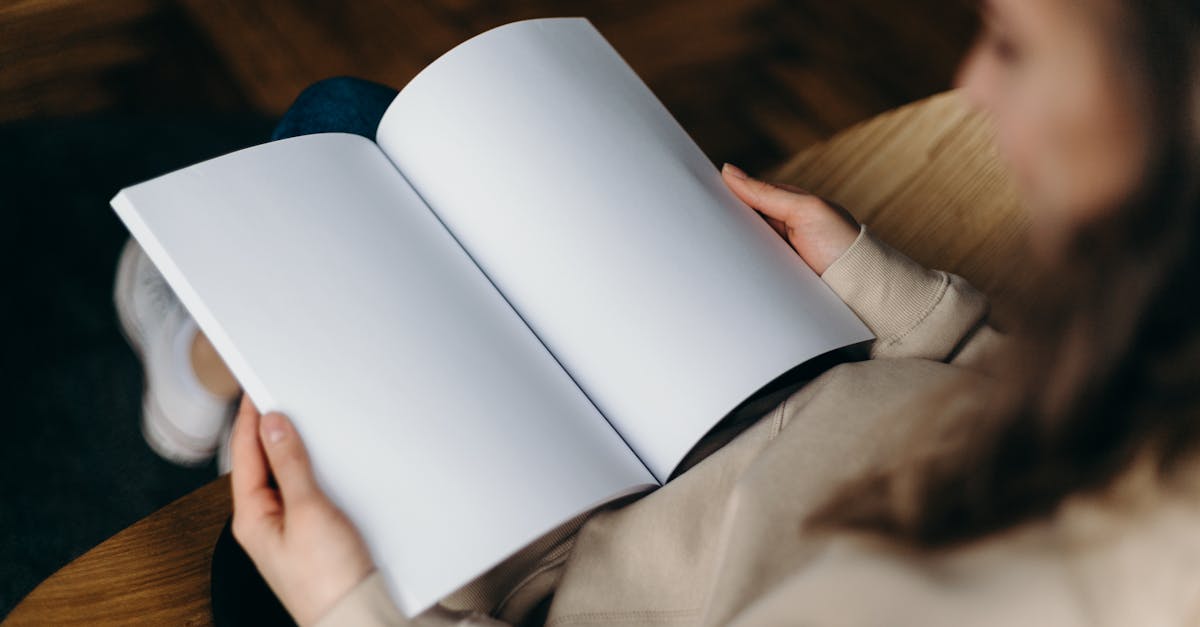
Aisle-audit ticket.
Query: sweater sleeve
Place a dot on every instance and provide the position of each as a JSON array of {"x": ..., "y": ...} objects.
[
  {"x": 368, "y": 604},
  {"x": 913, "y": 311}
]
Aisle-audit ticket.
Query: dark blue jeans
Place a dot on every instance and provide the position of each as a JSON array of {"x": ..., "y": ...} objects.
[{"x": 336, "y": 105}]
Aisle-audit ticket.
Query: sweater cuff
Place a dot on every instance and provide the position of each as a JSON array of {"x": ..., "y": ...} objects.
[
  {"x": 367, "y": 603},
  {"x": 890, "y": 292},
  {"x": 912, "y": 310}
]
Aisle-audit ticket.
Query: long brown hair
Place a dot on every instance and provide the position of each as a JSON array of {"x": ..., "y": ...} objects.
[{"x": 1106, "y": 367}]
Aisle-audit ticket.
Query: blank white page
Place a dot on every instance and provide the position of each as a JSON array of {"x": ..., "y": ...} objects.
[
  {"x": 434, "y": 417},
  {"x": 667, "y": 299}
]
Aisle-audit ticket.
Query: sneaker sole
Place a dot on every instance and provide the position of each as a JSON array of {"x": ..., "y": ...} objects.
[{"x": 170, "y": 444}]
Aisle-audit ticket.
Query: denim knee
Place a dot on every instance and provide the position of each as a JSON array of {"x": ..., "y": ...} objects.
[{"x": 341, "y": 104}]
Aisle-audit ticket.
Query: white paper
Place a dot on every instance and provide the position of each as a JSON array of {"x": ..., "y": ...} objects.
[
  {"x": 434, "y": 417},
  {"x": 667, "y": 299}
]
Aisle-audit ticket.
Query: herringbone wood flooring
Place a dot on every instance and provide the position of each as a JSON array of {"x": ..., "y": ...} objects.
[{"x": 752, "y": 80}]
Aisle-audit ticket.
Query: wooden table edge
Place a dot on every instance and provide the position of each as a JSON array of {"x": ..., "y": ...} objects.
[{"x": 145, "y": 574}]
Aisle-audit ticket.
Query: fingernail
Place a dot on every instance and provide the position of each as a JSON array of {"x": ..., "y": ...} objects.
[
  {"x": 734, "y": 170},
  {"x": 274, "y": 428}
]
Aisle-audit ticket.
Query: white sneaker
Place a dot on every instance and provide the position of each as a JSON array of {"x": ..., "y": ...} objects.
[{"x": 181, "y": 420}]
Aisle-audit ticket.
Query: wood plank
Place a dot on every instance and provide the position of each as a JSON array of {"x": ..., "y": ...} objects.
[
  {"x": 70, "y": 57},
  {"x": 276, "y": 49},
  {"x": 752, "y": 81},
  {"x": 155, "y": 572}
]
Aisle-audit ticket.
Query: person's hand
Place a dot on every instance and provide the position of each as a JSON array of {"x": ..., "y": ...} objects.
[
  {"x": 819, "y": 231},
  {"x": 306, "y": 549}
]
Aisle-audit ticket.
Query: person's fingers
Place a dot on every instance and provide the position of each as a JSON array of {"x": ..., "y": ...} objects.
[
  {"x": 809, "y": 197},
  {"x": 254, "y": 501},
  {"x": 773, "y": 201},
  {"x": 288, "y": 459}
]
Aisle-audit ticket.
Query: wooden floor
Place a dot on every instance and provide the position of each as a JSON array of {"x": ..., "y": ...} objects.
[{"x": 752, "y": 80}]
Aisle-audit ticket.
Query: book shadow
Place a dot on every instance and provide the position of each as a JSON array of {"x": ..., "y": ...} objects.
[{"x": 765, "y": 399}]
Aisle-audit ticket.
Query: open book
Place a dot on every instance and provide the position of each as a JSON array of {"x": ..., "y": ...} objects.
[{"x": 532, "y": 295}]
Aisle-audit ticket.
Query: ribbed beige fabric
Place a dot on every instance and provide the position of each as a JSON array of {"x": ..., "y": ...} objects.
[
  {"x": 722, "y": 543},
  {"x": 895, "y": 296}
]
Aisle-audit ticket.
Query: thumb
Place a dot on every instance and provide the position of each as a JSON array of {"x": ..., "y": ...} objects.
[
  {"x": 288, "y": 459},
  {"x": 773, "y": 201}
]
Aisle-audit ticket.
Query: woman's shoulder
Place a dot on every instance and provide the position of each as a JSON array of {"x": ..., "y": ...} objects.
[
  {"x": 1135, "y": 547},
  {"x": 1117, "y": 559},
  {"x": 860, "y": 580}
]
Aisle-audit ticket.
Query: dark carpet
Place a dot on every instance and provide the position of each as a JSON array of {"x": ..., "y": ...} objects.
[{"x": 74, "y": 469}]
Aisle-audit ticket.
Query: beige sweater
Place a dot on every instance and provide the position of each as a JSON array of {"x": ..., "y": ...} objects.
[{"x": 721, "y": 543}]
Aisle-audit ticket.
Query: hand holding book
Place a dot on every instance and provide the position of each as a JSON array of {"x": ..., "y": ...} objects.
[
  {"x": 302, "y": 544},
  {"x": 818, "y": 231}
]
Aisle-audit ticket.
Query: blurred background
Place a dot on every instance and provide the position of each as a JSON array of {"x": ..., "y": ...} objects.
[{"x": 97, "y": 95}]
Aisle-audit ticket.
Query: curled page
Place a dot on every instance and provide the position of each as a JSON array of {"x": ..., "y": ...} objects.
[{"x": 664, "y": 296}]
